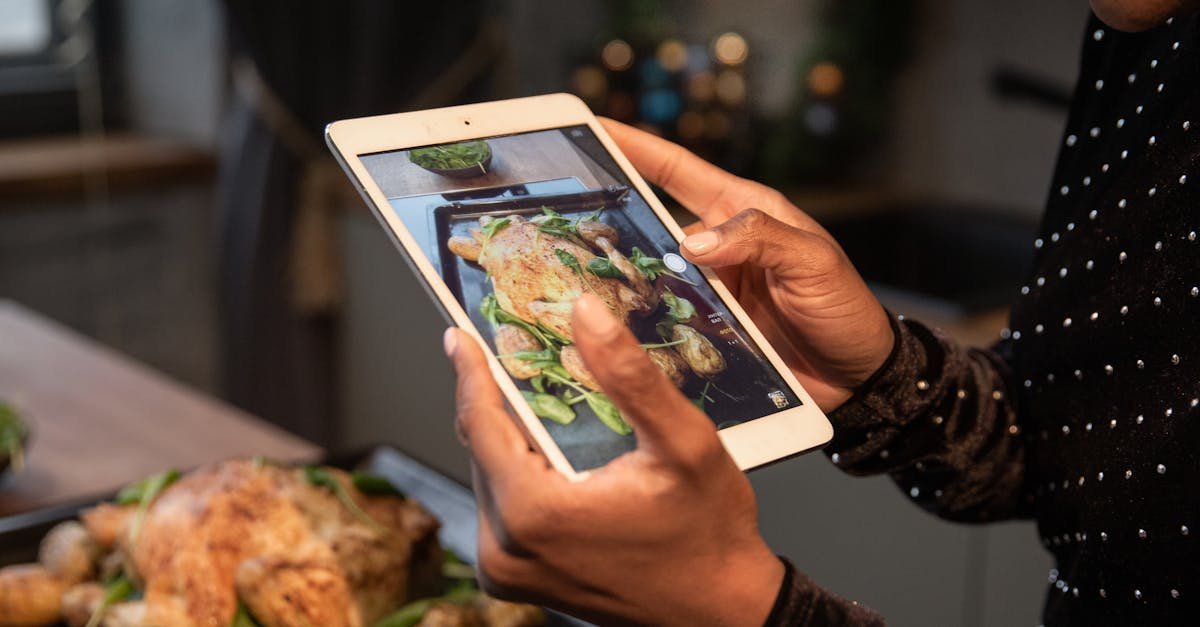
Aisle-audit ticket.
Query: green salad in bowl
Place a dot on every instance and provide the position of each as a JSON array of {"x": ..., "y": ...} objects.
[{"x": 458, "y": 160}]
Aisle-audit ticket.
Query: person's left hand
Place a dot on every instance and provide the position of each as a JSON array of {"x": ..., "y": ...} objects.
[{"x": 666, "y": 534}]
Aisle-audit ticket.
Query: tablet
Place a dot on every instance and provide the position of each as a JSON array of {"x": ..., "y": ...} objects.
[{"x": 510, "y": 210}]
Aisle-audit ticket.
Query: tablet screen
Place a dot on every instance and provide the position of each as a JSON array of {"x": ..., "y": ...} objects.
[{"x": 519, "y": 226}]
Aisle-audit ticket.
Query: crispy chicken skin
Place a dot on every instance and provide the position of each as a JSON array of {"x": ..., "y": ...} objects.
[
  {"x": 29, "y": 596},
  {"x": 636, "y": 279},
  {"x": 699, "y": 353},
  {"x": 510, "y": 339},
  {"x": 532, "y": 283},
  {"x": 246, "y": 522}
]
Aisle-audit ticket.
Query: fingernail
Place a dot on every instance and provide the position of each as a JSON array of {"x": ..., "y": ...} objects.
[
  {"x": 450, "y": 341},
  {"x": 596, "y": 318},
  {"x": 701, "y": 242}
]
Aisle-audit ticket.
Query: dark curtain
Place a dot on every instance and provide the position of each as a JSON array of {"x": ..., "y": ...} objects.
[{"x": 318, "y": 61}]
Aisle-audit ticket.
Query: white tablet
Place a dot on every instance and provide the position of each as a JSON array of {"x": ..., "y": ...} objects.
[{"x": 509, "y": 211}]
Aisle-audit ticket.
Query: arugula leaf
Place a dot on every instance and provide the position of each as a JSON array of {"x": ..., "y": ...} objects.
[
  {"x": 115, "y": 591},
  {"x": 539, "y": 383},
  {"x": 494, "y": 226},
  {"x": 322, "y": 478},
  {"x": 678, "y": 308},
  {"x": 374, "y": 485},
  {"x": 608, "y": 413},
  {"x": 549, "y": 407},
  {"x": 604, "y": 268},
  {"x": 568, "y": 260},
  {"x": 490, "y": 308},
  {"x": 144, "y": 491}
]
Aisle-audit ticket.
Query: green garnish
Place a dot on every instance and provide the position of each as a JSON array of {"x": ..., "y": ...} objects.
[
  {"x": 568, "y": 260},
  {"x": 244, "y": 618},
  {"x": 653, "y": 267},
  {"x": 554, "y": 223},
  {"x": 549, "y": 407},
  {"x": 411, "y": 614},
  {"x": 374, "y": 485},
  {"x": 678, "y": 308},
  {"x": 143, "y": 493},
  {"x": 700, "y": 400},
  {"x": 322, "y": 478},
  {"x": 608, "y": 413},
  {"x": 115, "y": 591},
  {"x": 12, "y": 436},
  {"x": 491, "y": 228},
  {"x": 457, "y": 156},
  {"x": 604, "y": 268},
  {"x": 490, "y": 308}
]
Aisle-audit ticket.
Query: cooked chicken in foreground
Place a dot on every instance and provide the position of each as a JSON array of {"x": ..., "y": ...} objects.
[{"x": 289, "y": 546}]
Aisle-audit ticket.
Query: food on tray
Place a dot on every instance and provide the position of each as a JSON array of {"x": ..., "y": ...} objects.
[
  {"x": 244, "y": 543},
  {"x": 13, "y": 434},
  {"x": 462, "y": 159},
  {"x": 538, "y": 266}
]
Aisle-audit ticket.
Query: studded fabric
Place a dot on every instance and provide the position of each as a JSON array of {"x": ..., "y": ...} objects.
[{"x": 1086, "y": 414}]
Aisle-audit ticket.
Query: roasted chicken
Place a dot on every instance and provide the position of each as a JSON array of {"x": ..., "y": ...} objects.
[
  {"x": 291, "y": 550},
  {"x": 532, "y": 279}
]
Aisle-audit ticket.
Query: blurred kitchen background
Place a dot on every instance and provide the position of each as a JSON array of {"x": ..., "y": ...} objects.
[{"x": 164, "y": 189}]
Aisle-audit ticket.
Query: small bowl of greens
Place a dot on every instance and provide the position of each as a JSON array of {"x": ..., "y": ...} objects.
[
  {"x": 14, "y": 434},
  {"x": 462, "y": 160}
]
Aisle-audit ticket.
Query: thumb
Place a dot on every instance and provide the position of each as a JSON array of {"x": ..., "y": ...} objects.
[
  {"x": 667, "y": 424},
  {"x": 756, "y": 238}
]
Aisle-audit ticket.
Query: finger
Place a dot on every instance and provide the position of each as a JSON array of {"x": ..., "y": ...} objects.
[
  {"x": 666, "y": 423},
  {"x": 483, "y": 422},
  {"x": 709, "y": 192},
  {"x": 756, "y": 238}
]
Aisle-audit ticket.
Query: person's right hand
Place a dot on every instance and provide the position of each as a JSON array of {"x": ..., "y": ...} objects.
[{"x": 786, "y": 271}]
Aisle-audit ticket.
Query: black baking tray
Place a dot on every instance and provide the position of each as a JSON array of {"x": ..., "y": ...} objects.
[
  {"x": 449, "y": 501},
  {"x": 743, "y": 390}
]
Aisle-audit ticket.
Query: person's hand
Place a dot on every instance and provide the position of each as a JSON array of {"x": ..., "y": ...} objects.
[
  {"x": 666, "y": 534},
  {"x": 786, "y": 271}
]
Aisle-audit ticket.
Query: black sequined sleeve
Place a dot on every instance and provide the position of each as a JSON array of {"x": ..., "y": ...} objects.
[{"x": 942, "y": 420}]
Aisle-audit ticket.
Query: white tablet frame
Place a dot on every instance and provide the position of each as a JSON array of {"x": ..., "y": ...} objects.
[{"x": 752, "y": 444}]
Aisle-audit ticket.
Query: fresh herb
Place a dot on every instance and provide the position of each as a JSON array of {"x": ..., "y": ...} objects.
[
  {"x": 678, "y": 308},
  {"x": 490, "y": 308},
  {"x": 374, "y": 485},
  {"x": 554, "y": 223},
  {"x": 453, "y": 567},
  {"x": 539, "y": 383},
  {"x": 322, "y": 478},
  {"x": 604, "y": 409},
  {"x": 700, "y": 400},
  {"x": 491, "y": 228},
  {"x": 663, "y": 344},
  {"x": 549, "y": 407},
  {"x": 608, "y": 413},
  {"x": 568, "y": 260},
  {"x": 604, "y": 268},
  {"x": 143, "y": 493},
  {"x": 457, "y": 156},
  {"x": 244, "y": 618},
  {"x": 117, "y": 590},
  {"x": 411, "y": 614},
  {"x": 572, "y": 262},
  {"x": 12, "y": 436},
  {"x": 653, "y": 267}
]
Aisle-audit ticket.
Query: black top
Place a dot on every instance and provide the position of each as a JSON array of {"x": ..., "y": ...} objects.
[{"x": 1086, "y": 416}]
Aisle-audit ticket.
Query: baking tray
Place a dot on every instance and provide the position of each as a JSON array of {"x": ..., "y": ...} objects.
[
  {"x": 744, "y": 389},
  {"x": 449, "y": 501}
]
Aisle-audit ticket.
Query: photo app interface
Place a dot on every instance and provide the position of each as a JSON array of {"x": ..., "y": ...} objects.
[{"x": 519, "y": 226}]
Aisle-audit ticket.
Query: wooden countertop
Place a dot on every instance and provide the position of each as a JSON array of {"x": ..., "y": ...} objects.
[{"x": 101, "y": 420}]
